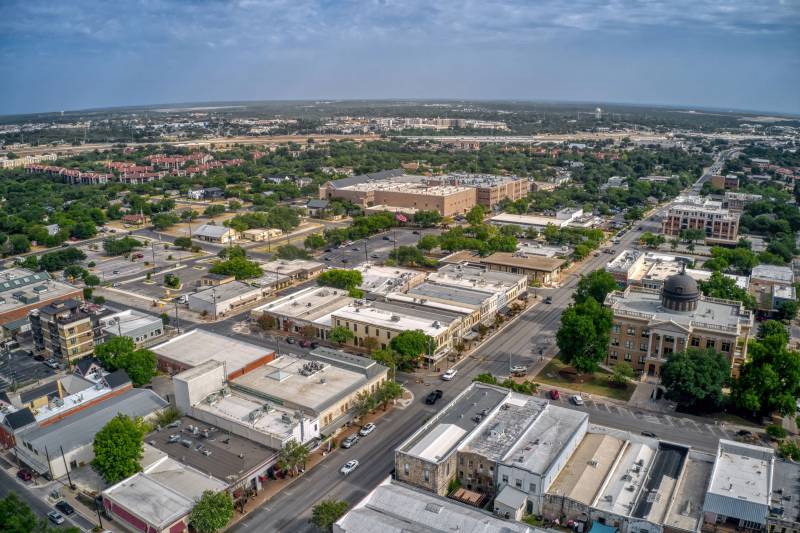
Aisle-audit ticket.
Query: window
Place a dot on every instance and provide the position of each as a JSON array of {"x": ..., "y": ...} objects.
[
  {"x": 643, "y": 346},
  {"x": 631, "y": 331},
  {"x": 615, "y": 328},
  {"x": 614, "y": 354},
  {"x": 366, "y": 330},
  {"x": 695, "y": 342},
  {"x": 426, "y": 475},
  {"x": 726, "y": 346},
  {"x": 642, "y": 359},
  {"x": 532, "y": 487},
  {"x": 614, "y": 341},
  {"x": 355, "y": 328},
  {"x": 469, "y": 464},
  {"x": 711, "y": 343},
  {"x": 645, "y": 333},
  {"x": 627, "y": 356},
  {"x": 629, "y": 345},
  {"x": 447, "y": 469},
  {"x": 518, "y": 483},
  {"x": 505, "y": 478},
  {"x": 406, "y": 469},
  {"x": 461, "y": 474},
  {"x": 461, "y": 461}
]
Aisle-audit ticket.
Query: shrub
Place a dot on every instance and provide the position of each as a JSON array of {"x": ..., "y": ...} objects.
[{"x": 776, "y": 432}]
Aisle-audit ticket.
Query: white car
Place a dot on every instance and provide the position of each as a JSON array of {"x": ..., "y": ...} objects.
[
  {"x": 349, "y": 466},
  {"x": 55, "y": 517},
  {"x": 450, "y": 374},
  {"x": 576, "y": 399},
  {"x": 367, "y": 429}
]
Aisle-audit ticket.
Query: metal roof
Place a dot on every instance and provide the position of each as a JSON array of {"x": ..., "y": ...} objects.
[{"x": 210, "y": 230}]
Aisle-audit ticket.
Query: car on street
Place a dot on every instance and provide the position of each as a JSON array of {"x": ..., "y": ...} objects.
[
  {"x": 344, "y": 260},
  {"x": 314, "y": 345},
  {"x": 328, "y": 250},
  {"x": 367, "y": 429},
  {"x": 433, "y": 397},
  {"x": 576, "y": 399},
  {"x": 415, "y": 232},
  {"x": 649, "y": 434},
  {"x": 52, "y": 363},
  {"x": 554, "y": 394},
  {"x": 355, "y": 249},
  {"x": 548, "y": 300},
  {"x": 24, "y": 474},
  {"x": 65, "y": 508},
  {"x": 744, "y": 433},
  {"x": 116, "y": 284},
  {"x": 39, "y": 358},
  {"x": 290, "y": 340},
  {"x": 55, "y": 517},
  {"x": 386, "y": 237},
  {"x": 349, "y": 466},
  {"x": 519, "y": 370},
  {"x": 450, "y": 374},
  {"x": 374, "y": 256},
  {"x": 305, "y": 344},
  {"x": 326, "y": 258},
  {"x": 349, "y": 441}
]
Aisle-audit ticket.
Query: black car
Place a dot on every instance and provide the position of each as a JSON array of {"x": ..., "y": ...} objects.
[
  {"x": 314, "y": 345},
  {"x": 649, "y": 434},
  {"x": 415, "y": 232},
  {"x": 433, "y": 397},
  {"x": 65, "y": 508},
  {"x": 548, "y": 300},
  {"x": 386, "y": 237},
  {"x": 328, "y": 250},
  {"x": 291, "y": 340}
]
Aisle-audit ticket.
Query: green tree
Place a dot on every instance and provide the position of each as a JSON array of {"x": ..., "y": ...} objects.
[
  {"x": 595, "y": 285},
  {"x": 427, "y": 219},
  {"x": 118, "y": 448},
  {"x": 15, "y": 515},
  {"x": 189, "y": 215},
  {"x": 214, "y": 210},
  {"x": 340, "y": 335},
  {"x": 212, "y": 512},
  {"x": 771, "y": 328},
  {"x": 769, "y": 381},
  {"x": 293, "y": 456},
  {"x": 410, "y": 345},
  {"x": 340, "y": 278},
  {"x": 164, "y": 220},
  {"x": 475, "y": 215},
  {"x": 327, "y": 512},
  {"x": 314, "y": 241},
  {"x": 388, "y": 392},
  {"x": 289, "y": 251},
  {"x": 787, "y": 309},
  {"x": 621, "y": 374},
  {"x": 234, "y": 205},
  {"x": 364, "y": 404},
  {"x": 121, "y": 246},
  {"x": 239, "y": 267},
  {"x": 695, "y": 378},
  {"x": 91, "y": 280},
  {"x": 184, "y": 243},
  {"x": 428, "y": 242},
  {"x": 120, "y": 352},
  {"x": 172, "y": 281},
  {"x": 75, "y": 272},
  {"x": 689, "y": 236},
  {"x": 721, "y": 286},
  {"x": 583, "y": 335}
]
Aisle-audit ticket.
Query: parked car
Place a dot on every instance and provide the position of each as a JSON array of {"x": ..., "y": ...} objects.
[
  {"x": 649, "y": 434},
  {"x": 576, "y": 399},
  {"x": 519, "y": 370},
  {"x": 450, "y": 374},
  {"x": 374, "y": 256},
  {"x": 305, "y": 343},
  {"x": 65, "y": 508},
  {"x": 349, "y": 466},
  {"x": 744, "y": 433},
  {"x": 328, "y": 250},
  {"x": 349, "y": 441},
  {"x": 554, "y": 394},
  {"x": 326, "y": 258},
  {"x": 52, "y": 363},
  {"x": 344, "y": 260},
  {"x": 386, "y": 237},
  {"x": 367, "y": 429},
  {"x": 415, "y": 232},
  {"x": 55, "y": 517},
  {"x": 39, "y": 357},
  {"x": 433, "y": 397},
  {"x": 356, "y": 249},
  {"x": 290, "y": 340},
  {"x": 548, "y": 300},
  {"x": 24, "y": 474},
  {"x": 116, "y": 284},
  {"x": 314, "y": 345}
]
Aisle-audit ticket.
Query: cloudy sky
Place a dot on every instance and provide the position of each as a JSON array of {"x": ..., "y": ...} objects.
[{"x": 73, "y": 54}]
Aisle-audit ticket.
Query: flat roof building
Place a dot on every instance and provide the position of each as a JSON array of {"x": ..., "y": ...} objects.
[
  {"x": 718, "y": 225},
  {"x": 144, "y": 329},
  {"x": 294, "y": 269},
  {"x": 381, "y": 280},
  {"x": 214, "y": 234},
  {"x": 23, "y": 290},
  {"x": 197, "y": 346},
  {"x": 222, "y": 299},
  {"x": 542, "y": 270},
  {"x": 562, "y": 219},
  {"x": 312, "y": 306}
]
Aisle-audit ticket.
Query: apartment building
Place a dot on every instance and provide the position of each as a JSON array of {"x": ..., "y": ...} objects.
[
  {"x": 651, "y": 324},
  {"x": 720, "y": 225},
  {"x": 490, "y": 190},
  {"x": 737, "y": 201},
  {"x": 63, "y": 330},
  {"x": 730, "y": 182},
  {"x": 23, "y": 290}
]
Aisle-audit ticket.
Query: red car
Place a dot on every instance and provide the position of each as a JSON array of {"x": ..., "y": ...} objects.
[
  {"x": 25, "y": 475},
  {"x": 554, "y": 395}
]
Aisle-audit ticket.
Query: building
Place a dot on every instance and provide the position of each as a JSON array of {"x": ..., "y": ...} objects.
[
  {"x": 214, "y": 234},
  {"x": 490, "y": 190},
  {"x": 26, "y": 160},
  {"x": 539, "y": 270},
  {"x": 23, "y": 290},
  {"x": 294, "y": 269},
  {"x": 649, "y": 325},
  {"x": 134, "y": 219},
  {"x": 563, "y": 218},
  {"x": 719, "y": 225},
  {"x": 226, "y": 298},
  {"x": 197, "y": 346},
  {"x": 324, "y": 385},
  {"x": 381, "y": 280},
  {"x": 737, "y": 201},
  {"x": 771, "y": 285},
  {"x": 317, "y": 207},
  {"x": 160, "y": 497},
  {"x": 57, "y": 448},
  {"x": 209, "y": 279},
  {"x": 144, "y": 329},
  {"x": 505, "y": 285},
  {"x": 497, "y": 443},
  {"x": 311, "y": 307},
  {"x": 394, "y": 507},
  {"x": 615, "y": 182},
  {"x": 63, "y": 330},
  {"x": 729, "y": 182},
  {"x": 651, "y": 269},
  {"x": 261, "y": 234}
]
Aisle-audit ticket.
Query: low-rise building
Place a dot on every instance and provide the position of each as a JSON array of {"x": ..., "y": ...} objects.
[
  {"x": 649, "y": 325},
  {"x": 719, "y": 225},
  {"x": 651, "y": 269},
  {"x": 144, "y": 329},
  {"x": 209, "y": 279},
  {"x": 294, "y": 269},
  {"x": 261, "y": 234},
  {"x": 563, "y": 218},
  {"x": 771, "y": 285},
  {"x": 507, "y": 286},
  {"x": 312, "y": 307},
  {"x": 63, "y": 330},
  {"x": 214, "y": 234},
  {"x": 539, "y": 270},
  {"x": 729, "y": 182},
  {"x": 381, "y": 280},
  {"x": 737, "y": 201},
  {"x": 197, "y": 346},
  {"x": 223, "y": 299}
]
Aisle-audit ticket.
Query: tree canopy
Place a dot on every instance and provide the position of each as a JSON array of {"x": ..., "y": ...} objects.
[
  {"x": 212, "y": 512},
  {"x": 122, "y": 246},
  {"x": 595, "y": 285},
  {"x": 695, "y": 378},
  {"x": 583, "y": 335},
  {"x": 120, "y": 352},
  {"x": 340, "y": 278},
  {"x": 410, "y": 346},
  {"x": 327, "y": 512},
  {"x": 118, "y": 448},
  {"x": 769, "y": 381},
  {"x": 239, "y": 267},
  {"x": 721, "y": 286}
]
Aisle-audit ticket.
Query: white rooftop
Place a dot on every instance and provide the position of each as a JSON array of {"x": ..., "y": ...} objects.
[
  {"x": 128, "y": 321},
  {"x": 382, "y": 280},
  {"x": 743, "y": 471},
  {"x": 626, "y": 480},
  {"x": 238, "y": 409},
  {"x": 387, "y": 320},
  {"x": 529, "y": 220},
  {"x": 289, "y": 267},
  {"x": 198, "y": 346},
  {"x": 307, "y": 304},
  {"x": 211, "y": 231},
  {"x": 781, "y": 274},
  {"x": 434, "y": 445}
]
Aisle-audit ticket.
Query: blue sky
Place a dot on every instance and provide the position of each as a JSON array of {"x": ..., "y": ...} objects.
[{"x": 73, "y": 54}]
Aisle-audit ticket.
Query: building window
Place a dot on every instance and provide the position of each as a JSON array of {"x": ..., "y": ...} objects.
[
  {"x": 532, "y": 487},
  {"x": 642, "y": 359},
  {"x": 710, "y": 343},
  {"x": 614, "y": 354},
  {"x": 614, "y": 341},
  {"x": 615, "y": 328},
  {"x": 695, "y": 342},
  {"x": 627, "y": 356},
  {"x": 469, "y": 464},
  {"x": 426, "y": 475},
  {"x": 461, "y": 461},
  {"x": 518, "y": 483},
  {"x": 726, "y": 346},
  {"x": 631, "y": 331},
  {"x": 643, "y": 347},
  {"x": 645, "y": 333},
  {"x": 406, "y": 469},
  {"x": 505, "y": 478},
  {"x": 355, "y": 328},
  {"x": 629, "y": 345}
]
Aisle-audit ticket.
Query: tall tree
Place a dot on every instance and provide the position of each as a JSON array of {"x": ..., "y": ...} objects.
[
  {"x": 595, "y": 285},
  {"x": 695, "y": 378},
  {"x": 769, "y": 381},
  {"x": 410, "y": 346},
  {"x": 212, "y": 512},
  {"x": 118, "y": 449},
  {"x": 583, "y": 335},
  {"x": 327, "y": 512}
]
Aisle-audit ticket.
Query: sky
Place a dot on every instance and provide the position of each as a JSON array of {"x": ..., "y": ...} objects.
[{"x": 76, "y": 54}]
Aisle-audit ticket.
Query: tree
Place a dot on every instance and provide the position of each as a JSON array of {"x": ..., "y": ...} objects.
[
  {"x": 327, "y": 512},
  {"x": 91, "y": 280},
  {"x": 371, "y": 344},
  {"x": 722, "y": 286},
  {"x": 74, "y": 272},
  {"x": 427, "y": 219},
  {"x": 340, "y": 278},
  {"x": 214, "y": 210},
  {"x": 184, "y": 243},
  {"x": 595, "y": 285},
  {"x": 293, "y": 456},
  {"x": 121, "y": 246},
  {"x": 769, "y": 381},
  {"x": 172, "y": 281},
  {"x": 289, "y": 251},
  {"x": 695, "y": 378},
  {"x": 689, "y": 236},
  {"x": 118, "y": 449},
  {"x": 364, "y": 404},
  {"x": 621, "y": 374},
  {"x": 239, "y": 267},
  {"x": 388, "y": 392},
  {"x": 265, "y": 322},
  {"x": 772, "y": 328},
  {"x": 340, "y": 335},
  {"x": 428, "y": 242},
  {"x": 120, "y": 352},
  {"x": 234, "y": 205},
  {"x": 212, "y": 512},
  {"x": 583, "y": 335},
  {"x": 164, "y": 220},
  {"x": 386, "y": 358},
  {"x": 20, "y": 244},
  {"x": 314, "y": 241},
  {"x": 410, "y": 345},
  {"x": 475, "y": 215},
  {"x": 15, "y": 515},
  {"x": 652, "y": 241},
  {"x": 189, "y": 215},
  {"x": 787, "y": 309}
]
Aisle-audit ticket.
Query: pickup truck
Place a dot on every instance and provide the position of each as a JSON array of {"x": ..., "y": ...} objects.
[{"x": 433, "y": 397}]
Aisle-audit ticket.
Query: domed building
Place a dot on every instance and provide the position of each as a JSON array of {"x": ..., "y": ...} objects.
[{"x": 650, "y": 324}]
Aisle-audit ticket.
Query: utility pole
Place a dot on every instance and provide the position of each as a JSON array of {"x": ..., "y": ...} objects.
[
  {"x": 66, "y": 467},
  {"x": 214, "y": 296},
  {"x": 366, "y": 257},
  {"x": 153, "y": 250},
  {"x": 177, "y": 323}
]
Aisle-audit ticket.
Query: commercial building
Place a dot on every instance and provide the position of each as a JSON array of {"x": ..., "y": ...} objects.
[
  {"x": 294, "y": 269},
  {"x": 539, "y": 270},
  {"x": 649, "y": 325},
  {"x": 222, "y": 299},
  {"x": 497, "y": 443},
  {"x": 729, "y": 182},
  {"x": 57, "y": 448},
  {"x": 563, "y": 218},
  {"x": 312, "y": 307},
  {"x": 381, "y": 280},
  {"x": 214, "y": 234},
  {"x": 160, "y": 497},
  {"x": 490, "y": 190},
  {"x": 737, "y": 201},
  {"x": 63, "y": 330},
  {"x": 506, "y": 285},
  {"x": 771, "y": 285},
  {"x": 651, "y": 269},
  {"x": 261, "y": 234},
  {"x": 394, "y": 507},
  {"x": 23, "y": 290},
  {"x": 197, "y": 346},
  {"x": 719, "y": 225},
  {"x": 144, "y": 329}
]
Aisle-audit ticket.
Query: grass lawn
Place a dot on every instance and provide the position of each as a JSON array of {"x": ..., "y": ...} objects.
[{"x": 558, "y": 374}]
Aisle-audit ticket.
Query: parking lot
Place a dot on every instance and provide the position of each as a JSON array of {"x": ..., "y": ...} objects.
[
  {"x": 114, "y": 268},
  {"x": 378, "y": 247},
  {"x": 189, "y": 276},
  {"x": 18, "y": 368}
]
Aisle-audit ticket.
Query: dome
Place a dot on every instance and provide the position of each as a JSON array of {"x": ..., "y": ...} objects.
[{"x": 680, "y": 293}]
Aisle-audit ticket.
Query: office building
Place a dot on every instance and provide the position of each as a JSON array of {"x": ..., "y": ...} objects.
[
  {"x": 142, "y": 328},
  {"x": 719, "y": 225}
]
